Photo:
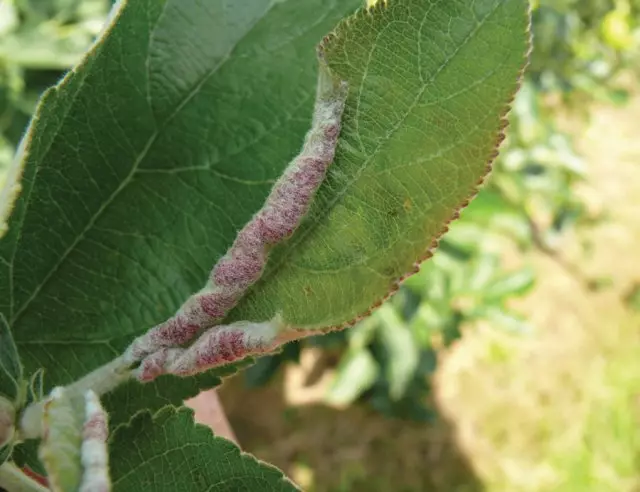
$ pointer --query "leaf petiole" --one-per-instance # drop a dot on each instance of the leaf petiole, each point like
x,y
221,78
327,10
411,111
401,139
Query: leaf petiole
x,y
100,381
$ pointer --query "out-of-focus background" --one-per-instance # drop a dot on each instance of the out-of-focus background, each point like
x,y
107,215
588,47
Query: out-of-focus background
x,y
512,361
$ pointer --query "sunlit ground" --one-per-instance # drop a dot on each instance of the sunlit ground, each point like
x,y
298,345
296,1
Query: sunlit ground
x,y
558,410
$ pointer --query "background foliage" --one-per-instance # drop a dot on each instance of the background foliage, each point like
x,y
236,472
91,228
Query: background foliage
x,y
581,46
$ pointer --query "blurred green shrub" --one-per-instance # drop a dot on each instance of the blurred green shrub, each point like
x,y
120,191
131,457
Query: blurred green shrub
x,y
39,41
581,46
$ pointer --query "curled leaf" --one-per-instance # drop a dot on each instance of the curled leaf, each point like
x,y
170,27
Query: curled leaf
x,y
430,84
95,455
60,447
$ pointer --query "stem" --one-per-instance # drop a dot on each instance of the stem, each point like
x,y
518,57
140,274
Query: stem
x,y
101,381
12,479
104,379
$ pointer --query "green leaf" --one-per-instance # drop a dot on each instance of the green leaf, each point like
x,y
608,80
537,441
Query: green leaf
x,y
5,453
169,452
356,373
125,400
33,51
505,320
362,334
509,285
481,272
401,351
141,166
10,367
36,386
8,18
266,367
430,83
25,454
60,447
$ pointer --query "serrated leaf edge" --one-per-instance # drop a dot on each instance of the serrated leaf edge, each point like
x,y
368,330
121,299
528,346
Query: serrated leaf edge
x,y
379,9
169,411
12,188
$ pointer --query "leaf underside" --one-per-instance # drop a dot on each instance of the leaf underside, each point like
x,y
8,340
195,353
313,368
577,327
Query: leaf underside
x,y
430,86
145,161
170,453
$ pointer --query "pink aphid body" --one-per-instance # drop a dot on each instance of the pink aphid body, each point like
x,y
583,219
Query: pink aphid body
x,y
280,216
217,346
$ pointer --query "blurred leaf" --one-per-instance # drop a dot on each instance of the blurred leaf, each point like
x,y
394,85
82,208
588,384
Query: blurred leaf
x,y
25,454
436,281
504,320
265,367
451,331
527,115
481,273
407,302
402,352
457,250
428,362
619,97
616,30
361,335
8,18
486,206
427,321
510,285
5,453
331,340
356,373
52,34
39,53
412,406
